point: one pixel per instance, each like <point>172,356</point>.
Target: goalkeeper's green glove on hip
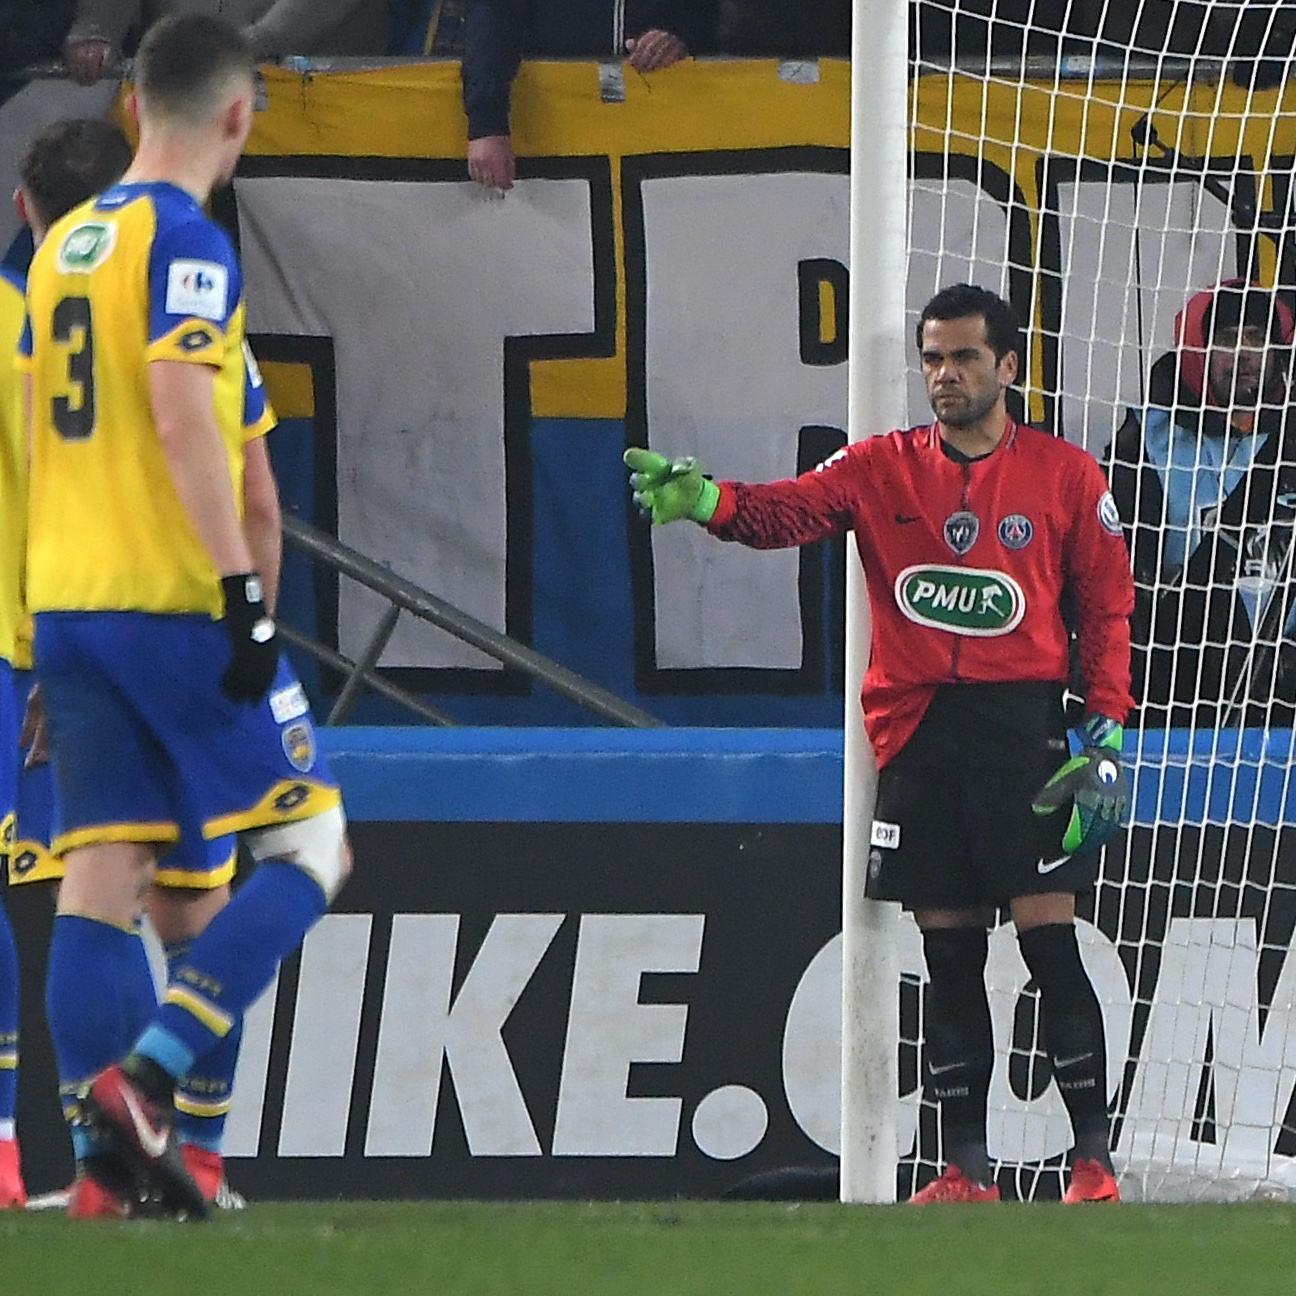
<point>1092,786</point>
<point>667,490</point>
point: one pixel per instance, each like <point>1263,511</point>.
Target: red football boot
<point>143,1131</point>
<point>206,1167</point>
<point>12,1193</point>
<point>89,1199</point>
<point>1091,1181</point>
<point>208,1170</point>
<point>954,1186</point>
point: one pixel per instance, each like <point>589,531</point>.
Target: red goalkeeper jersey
<point>976,570</point>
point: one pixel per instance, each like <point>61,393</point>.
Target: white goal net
<point>1106,181</point>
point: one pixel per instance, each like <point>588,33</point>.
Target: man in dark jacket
<point>651,34</point>
<point>1204,477</point>
<point>31,31</point>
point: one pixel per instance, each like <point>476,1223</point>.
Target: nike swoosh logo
<point>153,1142</point>
<point>940,1070</point>
<point>903,518</point>
<point>1047,866</point>
<point>1060,1064</point>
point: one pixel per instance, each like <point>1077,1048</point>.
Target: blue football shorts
<point>145,747</point>
<point>30,858</point>
<point>193,862</point>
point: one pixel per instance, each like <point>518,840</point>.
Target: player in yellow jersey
<point>165,691</point>
<point>12,1192</point>
<point>191,889</point>
<point>63,166</point>
<point>192,882</point>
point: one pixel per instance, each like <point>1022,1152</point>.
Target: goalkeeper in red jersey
<point>986,545</point>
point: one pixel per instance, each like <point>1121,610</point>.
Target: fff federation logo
<point>961,531</point>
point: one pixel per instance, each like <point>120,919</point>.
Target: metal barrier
<point>1082,63</point>
<point>404,596</point>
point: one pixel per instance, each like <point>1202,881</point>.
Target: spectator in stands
<point>652,34</point>
<point>31,34</point>
<point>105,29</point>
<point>1204,477</point>
<point>31,31</point>
<point>784,28</point>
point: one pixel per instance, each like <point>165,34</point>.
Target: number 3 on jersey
<point>74,413</point>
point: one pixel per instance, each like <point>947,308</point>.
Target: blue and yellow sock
<point>203,1099</point>
<point>99,994</point>
<point>230,964</point>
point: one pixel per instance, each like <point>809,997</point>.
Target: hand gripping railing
<point>404,596</point>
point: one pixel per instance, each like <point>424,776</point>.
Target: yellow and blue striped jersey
<point>14,647</point>
<point>136,275</point>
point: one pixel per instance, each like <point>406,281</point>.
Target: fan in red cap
<point>1204,477</point>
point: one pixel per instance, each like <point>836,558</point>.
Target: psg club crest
<point>961,531</point>
<point>1015,531</point>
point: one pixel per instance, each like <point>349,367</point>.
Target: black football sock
<point>959,1044</point>
<point>1073,1033</point>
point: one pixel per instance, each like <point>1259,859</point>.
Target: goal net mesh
<point>1108,168</point>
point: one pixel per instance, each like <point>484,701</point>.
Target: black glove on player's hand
<point>253,641</point>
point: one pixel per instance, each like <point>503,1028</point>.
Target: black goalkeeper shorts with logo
<point>953,828</point>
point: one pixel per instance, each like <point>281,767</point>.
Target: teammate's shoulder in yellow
<point>13,293</point>
<point>13,316</point>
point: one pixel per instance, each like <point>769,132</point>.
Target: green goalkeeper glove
<point>1092,785</point>
<point>667,490</point>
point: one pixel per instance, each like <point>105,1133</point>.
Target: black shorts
<point>954,828</point>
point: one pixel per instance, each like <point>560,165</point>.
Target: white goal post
<point>875,401</point>
<point>1101,180</point>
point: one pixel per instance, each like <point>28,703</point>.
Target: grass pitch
<point>661,1249</point>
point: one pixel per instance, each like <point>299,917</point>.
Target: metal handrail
<point>331,657</point>
<point>1079,59</point>
<point>405,596</point>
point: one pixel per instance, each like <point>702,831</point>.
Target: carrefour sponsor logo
<point>86,246</point>
<point>198,288</point>
<point>963,600</point>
